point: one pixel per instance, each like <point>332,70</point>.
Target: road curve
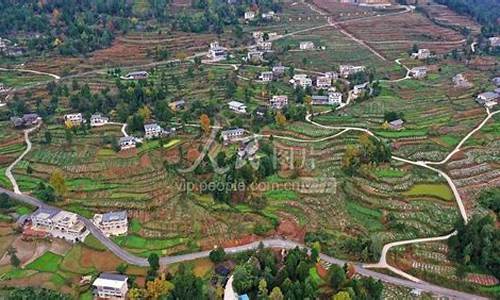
<point>268,243</point>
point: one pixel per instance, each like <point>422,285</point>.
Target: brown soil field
<point>104,261</point>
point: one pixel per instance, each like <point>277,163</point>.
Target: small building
<point>98,119</point>
<point>59,224</point>
<point>323,82</point>
<point>233,134</point>
<point>260,112</point>
<point>249,15</point>
<point>278,71</point>
<point>266,76</point>
<point>359,88</point>
<point>216,52</point>
<point>496,81</point>
<point>306,45</point>
<point>248,149</point>
<point>460,81</point>
<point>255,56</point>
<point>112,223</point>
<point>26,120</point>
<point>139,75</point>
<point>494,41</point>
<point>265,46</point>
<point>258,35</point>
<point>421,54</point>
<point>268,15</point>
<point>396,124</point>
<point>418,72</point>
<point>127,142</point>
<point>152,130</point>
<point>177,105</point>
<point>486,97</point>
<point>333,75</point>
<point>73,119</point>
<point>110,286</point>
<point>335,98</point>
<point>301,80</point>
<point>347,70</point>
<point>278,101</point>
<point>237,106</point>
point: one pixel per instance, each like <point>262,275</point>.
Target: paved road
<point>268,243</point>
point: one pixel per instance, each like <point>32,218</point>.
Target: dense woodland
<point>80,27</point>
<point>485,12</point>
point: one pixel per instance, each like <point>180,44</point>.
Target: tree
<point>122,268</point>
<point>29,169</point>
<point>186,285</point>
<point>14,260</point>
<point>217,255</point>
<point>262,289</point>
<point>336,277</point>
<point>144,112</point>
<point>136,294</point>
<point>276,294</point>
<point>154,261</point>
<point>205,123</point>
<point>243,280</point>
<point>48,137</point>
<point>341,296</point>
<point>280,119</point>
<point>58,183</point>
<point>158,287</point>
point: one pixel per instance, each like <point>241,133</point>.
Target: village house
<point>396,124</point>
<point>358,89</point>
<point>73,119</point>
<point>216,52</point>
<point>26,120</point>
<point>59,224</point>
<point>496,81</point>
<point>110,286</point>
<point>127,142</point>
<point>231,135</point>
<point>266,76</point>
<point>488,99</point>
<point>268,15</point>
<point>139,75</point>
<point>418,72</point>
<point>347,70</point>
<point>278,101</point>
<point>177,105</point>
<point>248,149</point>
<point>152,130</point>
<point>265,46</point>
<point>258,36</point>
<point>3,89</point>
<point>494,41</point>
<point>421,54</point>
<point>460,81</point>
<point>237,106</point>
<point>112,223</point>
<point>301,80</point>
<point>255,56</point>
<point>320,100</point>
<point>306,45</point>
<point>323,82</point>
<point>98,119</point>
<point>333,75</point>
<point>278,71</point>
<point>335,98</point>
<point>249,15</point>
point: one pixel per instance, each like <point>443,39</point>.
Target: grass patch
<point>171,143</point>
<point>138,242</point>
<point>281,195</point>
<point>135,226</point>
<point>440,191</point>
<point>369,218</point>
<point>313,274</point>
<point>401,134</point>
<point>389,173</point>
<point>93,243</point>
<point>48,262</point>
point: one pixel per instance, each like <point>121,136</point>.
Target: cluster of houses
<point>348,70</point>
<point>27,120</point>
<point>8,48</point>
<point>217,52</point>
<point>421,54</point>
<point>68,226</point>
<point>251,15</point>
